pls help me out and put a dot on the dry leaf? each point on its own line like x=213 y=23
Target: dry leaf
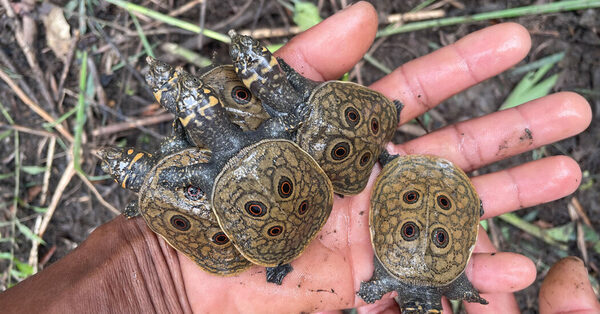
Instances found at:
x=58 y=32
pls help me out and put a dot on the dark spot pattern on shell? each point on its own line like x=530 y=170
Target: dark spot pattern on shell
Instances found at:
x=446 y=234
x=329 y=124
x=258 y=198
x=188 y=223
x=247 y=113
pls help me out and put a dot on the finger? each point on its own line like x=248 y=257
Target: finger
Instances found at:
x=384 y=306
x=334 y=46
x=567 y=289
x=423 y=83
x=527 y=185
x=477 y=142
x=500 y=272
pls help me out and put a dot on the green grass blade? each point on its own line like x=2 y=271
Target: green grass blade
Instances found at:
x=33 y=170
x=508 y=13
x=374 y=62
x=306 y=15
x=189 y=55
x=554 y=58
x=81 y=106
x=170 y=20
x=422 y=5
x=28 y=233
x=143 y=38
x=531 y=229
x=62 y=118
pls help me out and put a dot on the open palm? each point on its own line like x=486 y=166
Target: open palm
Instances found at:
x=329 y=272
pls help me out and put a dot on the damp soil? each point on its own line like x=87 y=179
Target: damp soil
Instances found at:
x=577 y=34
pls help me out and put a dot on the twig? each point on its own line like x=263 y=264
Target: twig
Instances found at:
x=98 y=195
x=49 y=159
x=414 y=16
x=67 y=64
x=234 y=17
x=118 y=127
x=577 y=206
x=554 y=7
x=29 y=54
x=60 y=188
x=27 y=130
x=178 y=11
x=576 y=218
x=33 y=106
x=22 y=83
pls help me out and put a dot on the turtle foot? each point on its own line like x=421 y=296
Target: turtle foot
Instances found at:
x=276 y=274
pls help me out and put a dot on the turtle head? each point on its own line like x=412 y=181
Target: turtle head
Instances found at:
x=163 y=80
x=249 y=56
x=127 y=166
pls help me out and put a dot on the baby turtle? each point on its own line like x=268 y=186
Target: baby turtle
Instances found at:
x=183 y=217
x=243 y=108
x=344 y=125
x=270 y=197
x=423 y=220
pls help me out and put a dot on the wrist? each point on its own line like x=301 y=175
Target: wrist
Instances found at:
x=122 y=265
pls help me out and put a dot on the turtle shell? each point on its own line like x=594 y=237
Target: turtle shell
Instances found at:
x=184 y=218
x=343 y=125
x=271 y=199
x=345 y=132
x=424 y=220
x=243 y=108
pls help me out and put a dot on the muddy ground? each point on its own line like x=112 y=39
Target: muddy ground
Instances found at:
x=577 y=34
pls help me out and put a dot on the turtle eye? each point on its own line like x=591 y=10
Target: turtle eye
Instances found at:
x=193 y=193
x=440 y=237
x=241 y=95
x=340 y=151
x=255 y=208
x=285 y=187
x=374 y=126
x=444 y=202
x=180 y=223
x=352 y=116
x=410 y=197
x=364 y=160
x=303 y=208
x=220 y=238
x=409 y=231
x=275 y=231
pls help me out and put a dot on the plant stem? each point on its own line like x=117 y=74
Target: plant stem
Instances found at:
x=508 y=13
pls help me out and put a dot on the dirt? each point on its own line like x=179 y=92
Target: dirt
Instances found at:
x=78 y=213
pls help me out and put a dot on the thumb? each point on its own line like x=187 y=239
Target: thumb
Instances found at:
x=567 y=289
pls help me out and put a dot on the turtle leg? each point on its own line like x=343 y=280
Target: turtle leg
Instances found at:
x=385 y=157
x=399 y=106
x=462 y=289
x=276 y=274
x=300 y=83
x=174 y=143
x=380 y=283
x=131 y=210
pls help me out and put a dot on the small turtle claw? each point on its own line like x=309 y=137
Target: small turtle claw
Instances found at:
x=231 y=33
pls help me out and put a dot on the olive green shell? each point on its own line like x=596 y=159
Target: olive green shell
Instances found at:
x=345 y=132
x=424 y=220
x=243 y=108
x=271 y=199
x=183 y=217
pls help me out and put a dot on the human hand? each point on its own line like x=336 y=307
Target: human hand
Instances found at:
x=330 y=270
x=567 y=289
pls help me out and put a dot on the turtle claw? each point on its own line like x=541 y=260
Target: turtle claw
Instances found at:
x=276 y=274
